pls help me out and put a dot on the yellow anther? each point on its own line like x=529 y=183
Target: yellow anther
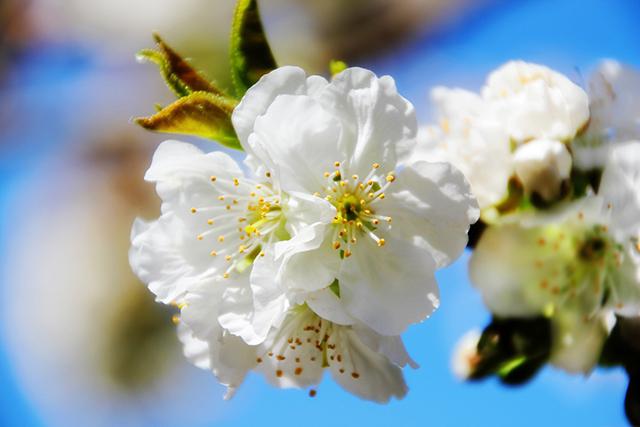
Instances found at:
x=327 y=174
x=228 y=258
x=221 y=198
x=354 y=177
x=235 y=201
x=261 y=253
x=221 y=239
x=252 y=194
x=362 y=201
x=336 y=245
x=213 y=253
x=200 y=237
x=381 y=196
x=210 y=221
x=347 y=253
x=242 y=219
x=336 y=164
x=375 y=222
x=194 y=210
x=376 y=165
x=268 y=174
x=381 y=242
x=228 y=207
x=236 y=182
x=225 y=275
x=371 y=195
x=390 y=178
x=258 y=186
x=213 y=178
x=175 y=319
x=316 y=194
x=388 y=219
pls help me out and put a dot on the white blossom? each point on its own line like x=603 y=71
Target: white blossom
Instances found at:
x=326 y=241
x=341 y=142
x=465 y=354
x=576 y=263
x=534 y=101
x=469 y=137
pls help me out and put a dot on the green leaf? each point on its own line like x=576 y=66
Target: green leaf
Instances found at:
x=251 y=56
x=337 y=66
x=179 y=75
x=335 y=287
x=201 y=114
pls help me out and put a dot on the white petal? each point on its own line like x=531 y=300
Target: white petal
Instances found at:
x=614 y=91
x=161 y=257
x=270 y=302
x=226 y=356
x=301 y=139
x=390 y=287
x=379 y=124
x=327 y=305
x=179 y=165
x=620 y=187
x=432 y=204
x=195 y=350
x=390 y=346
x=503 y=268
x=366 y=373
x=284 y=80
x=577 y=343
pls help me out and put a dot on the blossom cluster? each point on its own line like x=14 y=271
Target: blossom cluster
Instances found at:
x=320 y=251
x=556 y=169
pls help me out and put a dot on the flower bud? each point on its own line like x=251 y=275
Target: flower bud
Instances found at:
x=542 y=165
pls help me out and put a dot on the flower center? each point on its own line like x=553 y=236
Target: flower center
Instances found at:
x=247 y=216
x=356 y=201
x=582 y=267
x=306 y=342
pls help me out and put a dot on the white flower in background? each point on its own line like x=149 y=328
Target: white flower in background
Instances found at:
x=542 y=165
x=576 y=264
x=534 y=101
x=489 y=136
x=465 y=354
x=614 y=90
x=469 y=137
x=341 y=142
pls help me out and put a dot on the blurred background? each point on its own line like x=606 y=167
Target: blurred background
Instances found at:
x=81 y=341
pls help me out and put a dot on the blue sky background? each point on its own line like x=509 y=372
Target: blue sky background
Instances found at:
x=569 y=35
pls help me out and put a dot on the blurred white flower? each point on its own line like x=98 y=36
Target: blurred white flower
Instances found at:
x=614 y=91
x=534 y=101
x=582 y=258
x=465 y=354
x=542 y=165
x=341 y=143
x=489 y=136
x=468 y=136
